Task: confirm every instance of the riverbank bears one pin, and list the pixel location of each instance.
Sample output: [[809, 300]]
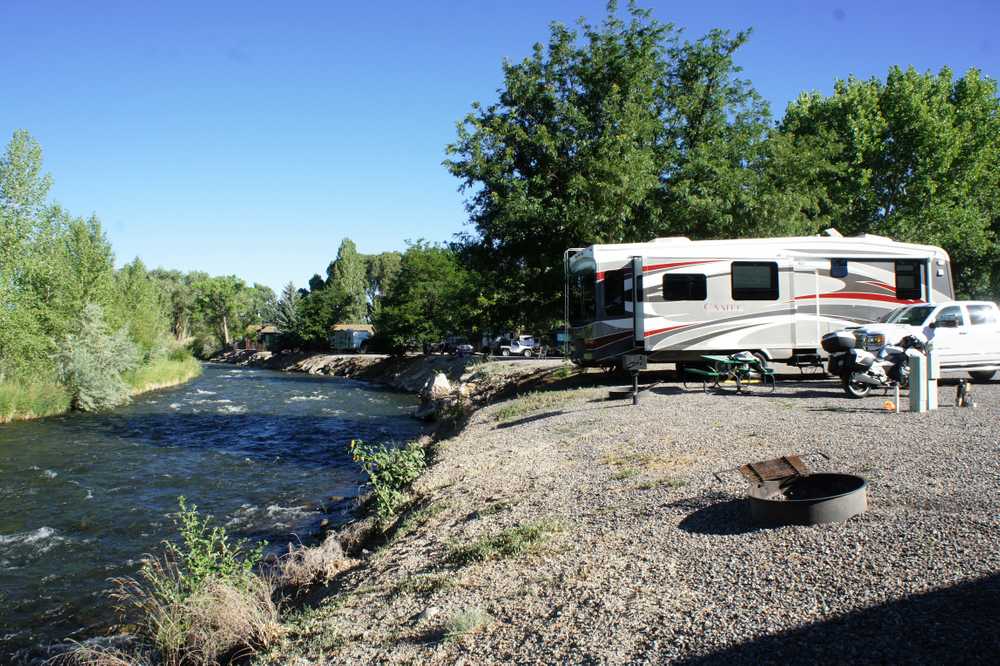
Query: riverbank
[[560, 527], [33, 400]]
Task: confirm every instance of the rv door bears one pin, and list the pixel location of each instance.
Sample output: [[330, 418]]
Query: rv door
[[638, 317]]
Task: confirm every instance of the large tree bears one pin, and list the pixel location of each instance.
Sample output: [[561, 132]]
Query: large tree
[[433, 296], [220, 301], [917, 158], [382, 270], [618, 132], [346, 275]]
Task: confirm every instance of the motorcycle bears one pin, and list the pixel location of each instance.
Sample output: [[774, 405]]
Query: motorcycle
[[861, 370]]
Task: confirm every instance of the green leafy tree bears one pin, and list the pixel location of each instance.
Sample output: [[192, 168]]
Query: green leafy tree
[[619, 132], [220, 300], [433, 296], [317, 312], [917, 158], [347, 275], [261, 305], [92, 360], [381, 272], [142, 306]]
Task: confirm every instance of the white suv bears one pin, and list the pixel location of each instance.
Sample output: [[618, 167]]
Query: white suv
[[965, 334]]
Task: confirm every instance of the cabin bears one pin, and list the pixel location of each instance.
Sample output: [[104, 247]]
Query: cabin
[[674, 299]]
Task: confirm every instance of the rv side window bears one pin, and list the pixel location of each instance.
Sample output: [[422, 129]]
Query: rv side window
[[582, 304], [684, 287], [908, 281], [755, 281], [614, 293], [838, 268]]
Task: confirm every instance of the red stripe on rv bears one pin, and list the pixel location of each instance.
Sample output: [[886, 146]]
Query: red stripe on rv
[[859, 296], [657, 331], [676, 264]]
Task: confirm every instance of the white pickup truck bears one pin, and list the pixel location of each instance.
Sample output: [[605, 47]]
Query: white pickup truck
[[965, 334]]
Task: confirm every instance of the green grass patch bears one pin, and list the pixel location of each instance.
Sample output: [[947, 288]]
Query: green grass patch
[[512, 542], [668, 482], [170, 371], [625, 473], [426, 584], [25, 399], [529, 403], [416, 517], [464, 622]]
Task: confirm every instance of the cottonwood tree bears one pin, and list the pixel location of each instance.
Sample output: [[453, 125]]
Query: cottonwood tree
[[220, 300], [614, 133], [916, 157], [347, 276]]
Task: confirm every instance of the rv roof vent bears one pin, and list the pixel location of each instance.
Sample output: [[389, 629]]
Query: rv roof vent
[[672, 239], [832, 233]]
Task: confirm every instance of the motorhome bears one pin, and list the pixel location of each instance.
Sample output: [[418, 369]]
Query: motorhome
[[674, 299]]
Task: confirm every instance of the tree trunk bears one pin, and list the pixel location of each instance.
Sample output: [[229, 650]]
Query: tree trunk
[[225, 330]]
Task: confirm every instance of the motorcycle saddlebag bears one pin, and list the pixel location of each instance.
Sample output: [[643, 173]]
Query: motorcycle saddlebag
[[836, 365], [861, 359], [838, 341]]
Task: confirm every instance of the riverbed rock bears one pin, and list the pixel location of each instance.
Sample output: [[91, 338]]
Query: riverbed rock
[[436, 387]]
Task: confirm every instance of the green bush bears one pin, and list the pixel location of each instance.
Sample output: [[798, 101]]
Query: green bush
[[92, 361], [390, 471]]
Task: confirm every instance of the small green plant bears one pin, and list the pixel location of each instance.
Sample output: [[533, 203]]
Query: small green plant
[[667, 481], [390, 471], [625, 473], [426, 584], [511, 542], [465, 622], [531, 402], [417, 517]]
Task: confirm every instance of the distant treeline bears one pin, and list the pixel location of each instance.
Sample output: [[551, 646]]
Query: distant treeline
[[75, 331]]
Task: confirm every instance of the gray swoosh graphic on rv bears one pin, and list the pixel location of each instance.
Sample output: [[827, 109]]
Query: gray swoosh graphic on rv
[[717, 331]]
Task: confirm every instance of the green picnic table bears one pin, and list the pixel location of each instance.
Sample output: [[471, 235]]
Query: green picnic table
[[719, 369]]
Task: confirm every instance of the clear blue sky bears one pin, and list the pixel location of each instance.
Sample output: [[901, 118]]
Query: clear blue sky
[[250, 137]]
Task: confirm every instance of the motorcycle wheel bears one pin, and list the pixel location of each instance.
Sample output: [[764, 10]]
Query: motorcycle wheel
[[855, 389]]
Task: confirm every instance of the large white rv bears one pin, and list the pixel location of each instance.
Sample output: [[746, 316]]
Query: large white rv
[[773, 296]]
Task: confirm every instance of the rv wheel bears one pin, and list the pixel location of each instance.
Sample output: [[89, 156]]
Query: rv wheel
[[855, 389]]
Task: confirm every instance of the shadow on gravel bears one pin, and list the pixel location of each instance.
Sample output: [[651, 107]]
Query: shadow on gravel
[[851, 410], [715, 513], [528, 419], [954, 625]]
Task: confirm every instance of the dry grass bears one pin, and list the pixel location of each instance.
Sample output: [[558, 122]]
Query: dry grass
[[465, 622], [91, 654], [220, 620], [658, 470], [303, 566]]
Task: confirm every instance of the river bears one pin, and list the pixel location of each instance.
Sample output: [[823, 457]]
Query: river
[[86, 495]]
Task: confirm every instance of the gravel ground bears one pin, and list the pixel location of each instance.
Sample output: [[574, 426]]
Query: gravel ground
[[647, 558]]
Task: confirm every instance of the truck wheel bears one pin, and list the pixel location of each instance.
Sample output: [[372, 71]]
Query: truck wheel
[[527, 353], [982, 375], [505, 352], [855, 389]]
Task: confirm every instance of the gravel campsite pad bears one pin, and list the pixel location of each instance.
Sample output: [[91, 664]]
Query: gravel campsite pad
[[563, 527]]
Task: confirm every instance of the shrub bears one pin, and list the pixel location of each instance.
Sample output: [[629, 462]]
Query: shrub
[[390, 471], [91, 362], [201, 599]]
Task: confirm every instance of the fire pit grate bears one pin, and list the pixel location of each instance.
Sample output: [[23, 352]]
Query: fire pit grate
[[783, 491]]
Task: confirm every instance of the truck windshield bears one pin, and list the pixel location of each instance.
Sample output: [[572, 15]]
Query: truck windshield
[[911, 316], [582, 303]]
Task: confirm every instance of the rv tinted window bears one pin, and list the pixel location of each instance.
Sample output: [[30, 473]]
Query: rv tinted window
[[685, 287], [614, 293], [755, 281], [908, 280], [838, 268], [582, 305]]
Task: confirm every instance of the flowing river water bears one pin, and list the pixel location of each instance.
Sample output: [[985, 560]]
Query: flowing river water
[[85, 496]]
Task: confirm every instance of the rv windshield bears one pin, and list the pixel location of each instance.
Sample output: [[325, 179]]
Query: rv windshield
[[582, 303], [911, 316]]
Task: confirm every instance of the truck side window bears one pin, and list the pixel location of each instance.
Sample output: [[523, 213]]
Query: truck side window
[[952, 312], [614, 293], [755, 281], [980, 315], [908, 282], [685, 287]]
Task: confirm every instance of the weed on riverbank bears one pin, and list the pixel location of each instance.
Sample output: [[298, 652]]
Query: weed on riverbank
[[30, 400], [511, 542], [175, 369]]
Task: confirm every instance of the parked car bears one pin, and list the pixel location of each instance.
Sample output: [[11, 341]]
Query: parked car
[[522, 345], [965, 334]]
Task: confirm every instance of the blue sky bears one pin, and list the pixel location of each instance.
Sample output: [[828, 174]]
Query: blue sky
[[251, 137]]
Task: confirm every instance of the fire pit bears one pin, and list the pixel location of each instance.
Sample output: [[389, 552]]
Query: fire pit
[[784, 492]]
